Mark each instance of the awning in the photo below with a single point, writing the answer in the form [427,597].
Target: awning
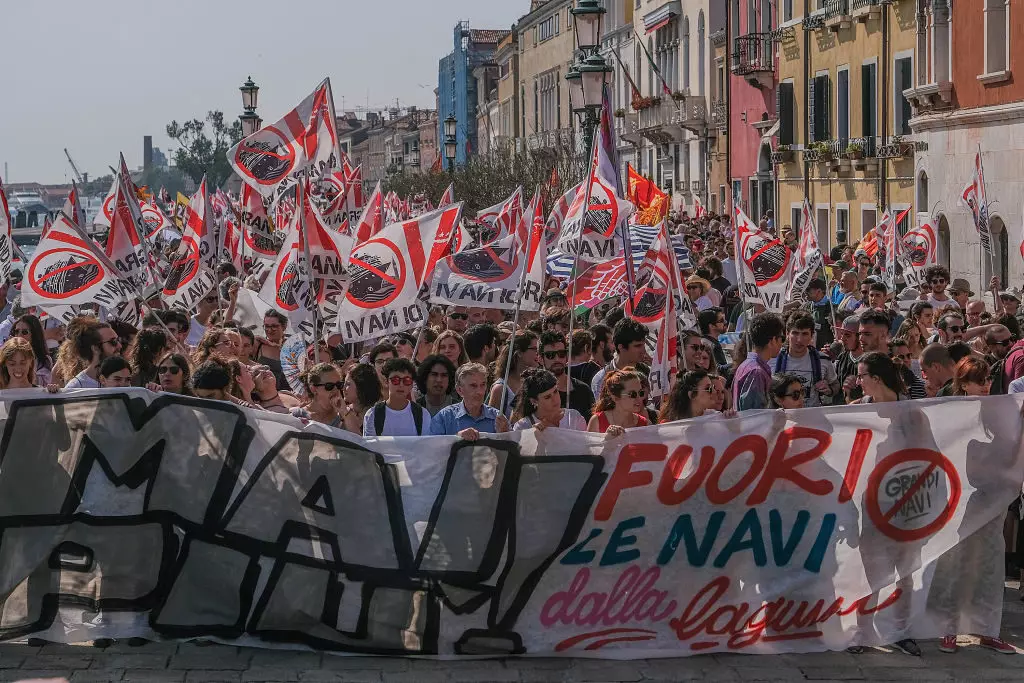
[661,16]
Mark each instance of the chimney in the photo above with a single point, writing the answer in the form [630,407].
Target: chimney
[147,152]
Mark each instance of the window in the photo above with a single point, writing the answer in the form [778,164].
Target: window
[996,31]
[941,27]
[666,55]
[869,99]
[721,199]
[867,221]
[843,104]
[795,213]
[686,53]
[822,215]
[902,80]
[787,10]
[548,28]
[785,109]
[818,108]
[842,224]
[504,69]
[737,193]
[548,94]
[755,209]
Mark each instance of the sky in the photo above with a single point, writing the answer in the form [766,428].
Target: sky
[97,76]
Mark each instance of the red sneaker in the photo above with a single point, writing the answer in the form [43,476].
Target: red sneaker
[1000,646]
[948,644]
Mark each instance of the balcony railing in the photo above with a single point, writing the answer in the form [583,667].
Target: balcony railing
[665,122]
[857,6]
[835,9]
[719,114]
[754,53]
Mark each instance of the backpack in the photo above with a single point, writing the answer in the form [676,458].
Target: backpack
[380,414]
[783,359]
[998,377]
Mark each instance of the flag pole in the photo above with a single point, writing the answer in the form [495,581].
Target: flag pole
[519,304]
[988,229]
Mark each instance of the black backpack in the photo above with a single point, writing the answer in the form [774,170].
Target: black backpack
[380,413]
[998,376]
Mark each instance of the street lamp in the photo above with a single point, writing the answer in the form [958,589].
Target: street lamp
[251,122]
[587,17]
[575,79]
[593,75]
[451,145]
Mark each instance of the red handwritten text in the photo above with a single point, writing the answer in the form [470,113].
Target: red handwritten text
[634,597]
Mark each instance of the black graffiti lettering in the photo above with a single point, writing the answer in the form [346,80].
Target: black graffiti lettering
[191,519]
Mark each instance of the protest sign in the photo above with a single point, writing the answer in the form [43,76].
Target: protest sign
[165,517]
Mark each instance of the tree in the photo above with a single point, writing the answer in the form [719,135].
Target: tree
[487,180]
[205,154]
[171,179]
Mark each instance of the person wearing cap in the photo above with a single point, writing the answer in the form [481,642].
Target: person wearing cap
[960,291]
[846,361]
[554,301]
[697,289]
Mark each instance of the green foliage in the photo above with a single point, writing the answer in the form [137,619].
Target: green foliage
[488,180]
[203,147]
[170,178]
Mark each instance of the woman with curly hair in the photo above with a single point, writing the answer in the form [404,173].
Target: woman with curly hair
[148,346]
[692,396]
[215,341]
[621,405]
[540,404]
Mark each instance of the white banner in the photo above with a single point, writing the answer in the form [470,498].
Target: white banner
[773,532]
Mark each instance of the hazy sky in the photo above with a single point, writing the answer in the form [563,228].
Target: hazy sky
[96,76]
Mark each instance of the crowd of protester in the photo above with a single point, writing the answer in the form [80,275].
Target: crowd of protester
[473,372]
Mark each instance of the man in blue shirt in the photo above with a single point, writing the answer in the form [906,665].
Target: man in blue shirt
[470,417]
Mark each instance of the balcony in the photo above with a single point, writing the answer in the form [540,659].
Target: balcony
[629,129]
[719,114]
[862,152]
[696,187]
[897,148]
[412,159]
[665,123]
[754,59]
[929,98]
[837,15]
[866,9]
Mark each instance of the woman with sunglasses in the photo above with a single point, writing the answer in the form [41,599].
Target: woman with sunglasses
[692,396]
[450,345]
[29,328]
[173,375]
[268,347]
[361,392]
[540,406]
[621,405]
[971,378]
[787,391]
[910,332]
[323,387]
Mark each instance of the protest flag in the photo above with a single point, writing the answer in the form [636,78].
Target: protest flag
[192,274]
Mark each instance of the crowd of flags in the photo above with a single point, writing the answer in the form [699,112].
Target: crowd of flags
[364,267]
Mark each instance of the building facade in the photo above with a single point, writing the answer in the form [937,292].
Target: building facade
[966,98]
[546,47]
[457,93]
[843,139]
[718,108]
[507,58]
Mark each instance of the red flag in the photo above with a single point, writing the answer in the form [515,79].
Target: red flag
[598,283]
[192,270]
[372,220]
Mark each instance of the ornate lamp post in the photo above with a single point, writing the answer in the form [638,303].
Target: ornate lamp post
[251,122]
[588,75]
[451,146]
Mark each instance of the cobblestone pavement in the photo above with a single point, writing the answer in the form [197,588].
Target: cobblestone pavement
[184,663]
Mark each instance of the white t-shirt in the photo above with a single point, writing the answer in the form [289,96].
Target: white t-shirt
[396,422]
[805,370]
[196,330]
[946,303]
[571,419]
[703,304]
[83,381]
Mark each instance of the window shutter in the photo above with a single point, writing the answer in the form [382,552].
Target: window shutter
[826,102]
[812,135]
[784,110]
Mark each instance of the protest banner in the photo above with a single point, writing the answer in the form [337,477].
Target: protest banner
[161,516]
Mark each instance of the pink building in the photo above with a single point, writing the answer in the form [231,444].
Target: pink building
[752,100]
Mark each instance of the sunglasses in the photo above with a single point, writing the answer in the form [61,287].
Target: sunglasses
[955,328]
[551,355]
[795,395]
[113,342]
[901,356]
[1003,342]
[168,370]
[331,386]
[707,390]
[938,281]
[400,381]
[22,333]
[636,394]
[459,316]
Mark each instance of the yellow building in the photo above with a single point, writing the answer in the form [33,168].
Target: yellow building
[546,45]
[844,136]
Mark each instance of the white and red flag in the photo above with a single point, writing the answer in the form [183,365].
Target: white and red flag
[387,272]
[808,258]
[232,243]
[192,272]
[975,198]
[73,207]
[502,274]
[600,282]
[156,224]
[273,159]
[257,230]
[289,288]
[920,250]
[6,239]
[764,261]
[499,221]
[69,269]
[125,244]
[372,219]
[557,217]
[448,197]
[106,211]
[327,249]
